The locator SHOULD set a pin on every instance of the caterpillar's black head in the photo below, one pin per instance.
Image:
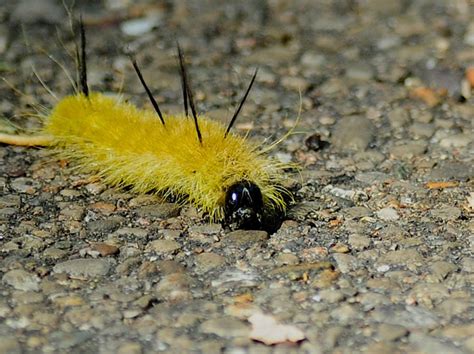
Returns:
(244, 205)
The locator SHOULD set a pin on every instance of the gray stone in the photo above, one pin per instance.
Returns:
(428, 344)
(66, 340)
(442, 77)
(398, 117)
(233, 278)
(246, 237)
(21, 280)
(429, 293)
(303, 209)
(167, 267)
(333, 87)
(159, 211)
(295, 83)
(8, 247)
(391, 332)
(139, 26)
(206, 229)
(408, 150)
(272, 56)
(35, 11)
(424, 116)
(286, 258)
(28, 297)
(469, 34)
(7, 213)
(388, 214)
(54, 253)
(447, 213)
(369, 156)
(371, 178)
(357, 212)
(174, 287)
(359, 242)
(447, 170)
(345, 314)
(370, 300)
(9, 345)
(382, 8)
(353, 133)
(403, 257)
(332, 336)
(440, 270)
(453, 307)
(360, 71)
(132, 231)
(410, 318)
(469, 345)
(107, 225)
(331, 296)
(10, 200)
(226, 327)
(456, 141)
(24, 185)
(422, 130)
(129, 348)
(95, 188)
(384, 347)
(389, 41)
(207, 261)
(345, 262)
(76, 212)
(313, 60)
(84, 267)
(163, 246)
(467, 264)
(33, 244)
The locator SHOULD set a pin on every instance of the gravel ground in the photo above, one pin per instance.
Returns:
(375, 255)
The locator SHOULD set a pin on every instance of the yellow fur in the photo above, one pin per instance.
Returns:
(130, 147)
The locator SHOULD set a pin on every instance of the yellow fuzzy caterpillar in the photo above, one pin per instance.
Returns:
(130, 147)
(193, 160)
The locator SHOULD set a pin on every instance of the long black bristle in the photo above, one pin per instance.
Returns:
(234, 118)
(188, 92)
(183, 84)
(148, 92)
(83, 60)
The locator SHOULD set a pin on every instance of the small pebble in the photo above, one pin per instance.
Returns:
(140, 26)
(21, 280)
(163, 246)
(84, 267)
(388, 214)
(225, 327)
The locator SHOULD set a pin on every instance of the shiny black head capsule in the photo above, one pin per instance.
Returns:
(244, 205)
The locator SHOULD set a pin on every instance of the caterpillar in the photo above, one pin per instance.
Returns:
(187, 157)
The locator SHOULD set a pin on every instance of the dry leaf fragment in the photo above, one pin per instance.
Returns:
(470, 76)
(335, 222)
(441, 185)
(104, 249)
(429, 96)
(243, 298)
(104, 208)
(265, 329)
